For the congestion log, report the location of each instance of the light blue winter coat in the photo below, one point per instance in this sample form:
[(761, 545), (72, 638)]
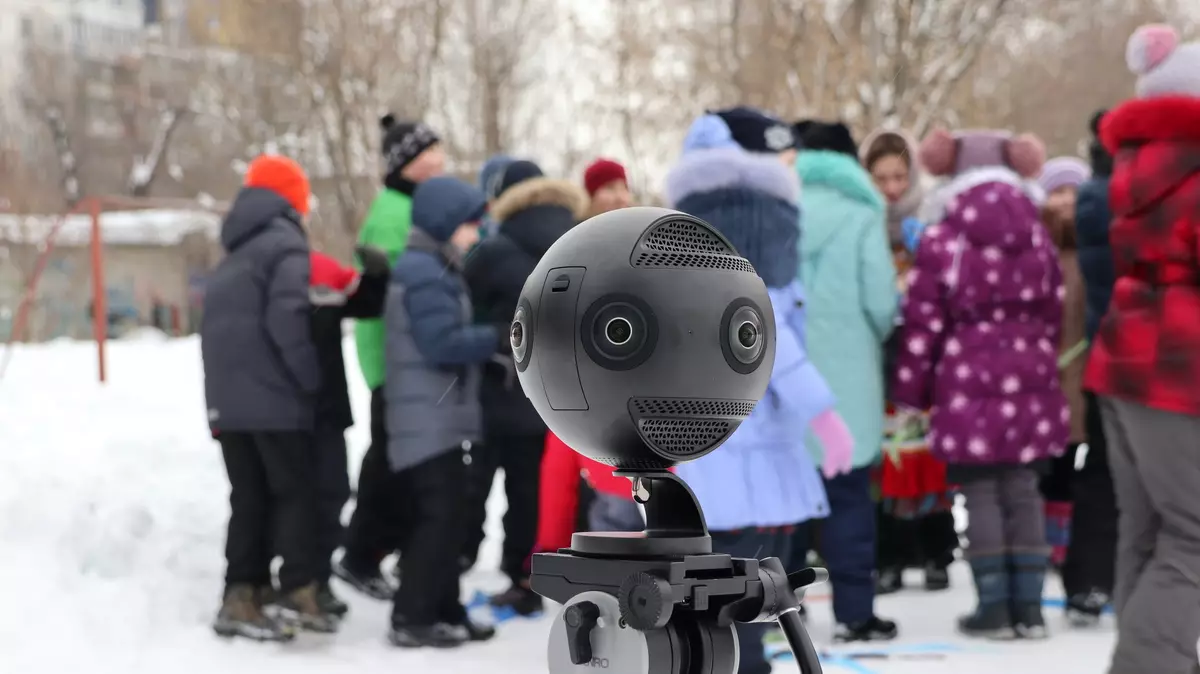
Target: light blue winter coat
[(847, 270), (762, 475)]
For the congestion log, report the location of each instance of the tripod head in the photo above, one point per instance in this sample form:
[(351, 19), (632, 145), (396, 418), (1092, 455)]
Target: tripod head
[(642, 341)]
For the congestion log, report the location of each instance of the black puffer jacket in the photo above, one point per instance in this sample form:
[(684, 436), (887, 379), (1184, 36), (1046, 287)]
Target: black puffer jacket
[(531, 215), (261, 369)]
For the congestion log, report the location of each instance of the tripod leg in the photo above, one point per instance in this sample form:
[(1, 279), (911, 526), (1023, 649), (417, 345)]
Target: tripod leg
[(799, 641)]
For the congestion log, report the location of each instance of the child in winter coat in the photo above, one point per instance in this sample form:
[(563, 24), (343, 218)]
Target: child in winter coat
[(434, 356), (1089, 569), (846, 268), (736, 173), (337, 292), (1145, 363), (1060, 180), (412, 153), (916, 520), (979, 346), (611, 508), (262, 376), (531, 211)]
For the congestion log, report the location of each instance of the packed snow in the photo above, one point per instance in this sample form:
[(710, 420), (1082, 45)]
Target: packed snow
[(112, 514)]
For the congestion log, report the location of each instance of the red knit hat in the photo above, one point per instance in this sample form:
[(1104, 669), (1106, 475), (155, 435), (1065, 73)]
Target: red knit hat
[(602, 172), (282, 176)]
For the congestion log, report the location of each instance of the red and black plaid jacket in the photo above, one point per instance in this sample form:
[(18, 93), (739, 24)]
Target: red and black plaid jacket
[(1147, 349)]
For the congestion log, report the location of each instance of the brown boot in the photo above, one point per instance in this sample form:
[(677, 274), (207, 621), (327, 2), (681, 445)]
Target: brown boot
[(242, 616), (300, 607)]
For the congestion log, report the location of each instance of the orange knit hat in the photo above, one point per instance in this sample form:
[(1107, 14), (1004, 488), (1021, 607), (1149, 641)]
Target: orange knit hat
[(282, 176)]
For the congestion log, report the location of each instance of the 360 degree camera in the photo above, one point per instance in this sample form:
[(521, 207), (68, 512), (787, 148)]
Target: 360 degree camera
[(643, 340)]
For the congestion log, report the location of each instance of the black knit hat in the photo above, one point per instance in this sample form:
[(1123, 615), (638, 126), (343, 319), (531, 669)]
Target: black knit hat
[(757, 131), (1101, 160), (829, 136), (515, 172), (403, 142)]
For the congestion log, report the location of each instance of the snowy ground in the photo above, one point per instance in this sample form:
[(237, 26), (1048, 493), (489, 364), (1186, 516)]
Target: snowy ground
[(112, 514)]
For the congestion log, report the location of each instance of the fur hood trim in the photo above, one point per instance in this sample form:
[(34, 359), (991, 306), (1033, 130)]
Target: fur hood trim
[(540, 192)]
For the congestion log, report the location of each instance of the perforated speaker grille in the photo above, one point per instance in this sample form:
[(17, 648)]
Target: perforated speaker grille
[(689, 407), (683, 437), (685, 244), (634, 464), (683, 427)]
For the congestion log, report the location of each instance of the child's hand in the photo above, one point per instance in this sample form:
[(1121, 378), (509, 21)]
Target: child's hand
[(910, 229), (835, 437)]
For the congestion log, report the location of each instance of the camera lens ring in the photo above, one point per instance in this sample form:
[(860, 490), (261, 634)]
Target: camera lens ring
[(522, 323), (618, 354), (743, 336), (614, 325)]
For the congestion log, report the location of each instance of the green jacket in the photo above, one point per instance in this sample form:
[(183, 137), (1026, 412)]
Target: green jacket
[(385, 228)]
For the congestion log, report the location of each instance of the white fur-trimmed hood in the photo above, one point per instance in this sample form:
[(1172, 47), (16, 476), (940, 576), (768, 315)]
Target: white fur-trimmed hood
[(710, 170), (933, 208)]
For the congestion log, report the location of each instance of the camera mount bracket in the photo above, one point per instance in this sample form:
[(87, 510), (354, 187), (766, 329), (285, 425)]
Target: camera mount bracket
[(660, 601)]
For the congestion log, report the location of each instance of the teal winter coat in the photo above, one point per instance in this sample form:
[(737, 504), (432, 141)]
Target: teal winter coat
[(847, 270)]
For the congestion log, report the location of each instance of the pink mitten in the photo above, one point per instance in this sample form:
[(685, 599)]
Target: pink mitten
[(831, 430)]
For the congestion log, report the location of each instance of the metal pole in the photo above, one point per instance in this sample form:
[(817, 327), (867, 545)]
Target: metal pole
[(99, 296)]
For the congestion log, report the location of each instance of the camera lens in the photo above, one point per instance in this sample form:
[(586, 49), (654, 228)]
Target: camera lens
[(618, 331), (747, 335), (516, 336), (744, 335)]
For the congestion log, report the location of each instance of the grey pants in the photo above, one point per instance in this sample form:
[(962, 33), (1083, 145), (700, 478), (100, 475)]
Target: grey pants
[(1005, 515), (1155, 461)]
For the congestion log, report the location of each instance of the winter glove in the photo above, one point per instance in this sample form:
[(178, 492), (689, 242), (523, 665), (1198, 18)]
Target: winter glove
[(374, 261), (910, 230), (835, 437)]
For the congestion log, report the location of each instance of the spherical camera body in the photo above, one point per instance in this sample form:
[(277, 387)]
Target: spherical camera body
[(643, 339)]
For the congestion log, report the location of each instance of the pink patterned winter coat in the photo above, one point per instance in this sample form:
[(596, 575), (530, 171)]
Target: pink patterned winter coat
[(979, 343)]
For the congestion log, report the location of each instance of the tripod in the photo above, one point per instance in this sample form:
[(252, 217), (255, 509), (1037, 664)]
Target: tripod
[(660, 601)]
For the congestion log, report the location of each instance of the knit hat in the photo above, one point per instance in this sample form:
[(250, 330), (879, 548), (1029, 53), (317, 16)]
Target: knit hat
[(511, 174), (491, 168), (282, 176), (1164, 66), (602, 172), (1063, 172), (1101, 160), (944, 154), (757, 131), (829, 136), (403, 142)]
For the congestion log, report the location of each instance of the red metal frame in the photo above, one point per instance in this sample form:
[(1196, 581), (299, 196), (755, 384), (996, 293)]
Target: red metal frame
[(95, 206)]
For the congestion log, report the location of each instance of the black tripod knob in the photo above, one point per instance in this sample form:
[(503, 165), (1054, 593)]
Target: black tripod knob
[(581, 619), (646, 602)]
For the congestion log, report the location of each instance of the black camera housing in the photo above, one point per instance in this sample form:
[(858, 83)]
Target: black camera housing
[(643, 339)]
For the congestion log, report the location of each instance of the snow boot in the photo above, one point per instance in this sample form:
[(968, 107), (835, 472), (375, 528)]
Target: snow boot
[(367, 581), (889, 580), (437, 635), (301, 608), (1027, 575), (1084, 610), (522, 600), (477, 631), (871, 629), (992, 618), (937, 577), (329, 602), (241, 616)]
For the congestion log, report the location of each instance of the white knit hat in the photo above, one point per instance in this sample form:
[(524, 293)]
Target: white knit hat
[(1164, 66)]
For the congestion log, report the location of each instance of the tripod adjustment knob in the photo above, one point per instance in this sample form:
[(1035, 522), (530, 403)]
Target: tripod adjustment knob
[(646, 601), (581, 619)]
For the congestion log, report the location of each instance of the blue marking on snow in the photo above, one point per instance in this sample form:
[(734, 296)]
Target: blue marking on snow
[(495, 614), (1058, 602)]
